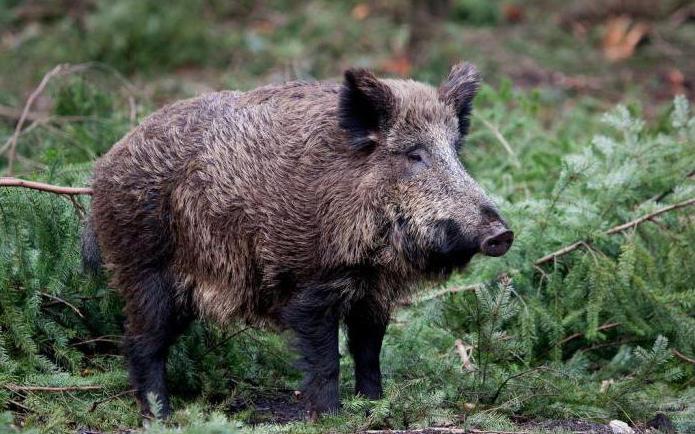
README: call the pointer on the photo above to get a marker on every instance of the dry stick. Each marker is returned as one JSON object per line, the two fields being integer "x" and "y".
{"x": 508, "y": 379}
{"x": 95, "y": 404}
{"x": 441, "y": 430}
{"x": 572, "y": 247}
{"x": 20, "y": 406}
{"x": 17, "y": 388}
{"x": 105, "y": 338}
{"x": 224, "y": 341}
{"x": 682, "y": 356}
{"x": 25, "y": 112}
{"x": 452, "y": 290}
{"x": 6, "y": 181}
{"x": 64, "y": 68}
{"x": 498, "y": 135}
{"x": 13, "y": 113}
{"x": 65, "y": 302}
{"x": 418, "y": 431}
{"x": 614, "y": 230}
{"x": 603, "y": 327}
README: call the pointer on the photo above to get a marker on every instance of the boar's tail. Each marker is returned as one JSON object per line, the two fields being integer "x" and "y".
{"x": 91, "y": 254}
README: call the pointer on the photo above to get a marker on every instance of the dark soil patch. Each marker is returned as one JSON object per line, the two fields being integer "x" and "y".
{"x": 282, "y": 408}
{"x": 575, "y": 426}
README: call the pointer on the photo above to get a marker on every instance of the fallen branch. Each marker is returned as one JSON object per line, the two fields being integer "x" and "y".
{"x": 7, "y": 181}
{"x": 17, "y": 388}
{"x": 451, "y": 290}
{"x": 107, "y": 338}
{"x": 517, "y": 375}
{"x": 465, "y": 353}
{"x": 682, "y": 356}
{"x": 600, "y": 328}
{"x": 95, "y": 404}
{"x": 26, "y": 114}
{"x": 65, "y": 302}
{"x": 498, "y": 135}
{"x": 20, "y": 406}
{"x": 12, "y": 142}
{"x": 13, "y": 113}
{"x": 441, "y": 430}
{"x": 418, "y": 431}
{"x": 614, "y": 230}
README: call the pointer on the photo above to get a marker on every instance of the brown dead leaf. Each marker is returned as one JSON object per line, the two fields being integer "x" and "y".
{"x": 676, "y": 80}
{"x": 264, "y": 27}
{"x": 675, "y": 77}
{"x": 513, "y": 14}
{"x": 621, "y": 38}
{"x": 360, "y": 11}
{"x": 465, "y": 352}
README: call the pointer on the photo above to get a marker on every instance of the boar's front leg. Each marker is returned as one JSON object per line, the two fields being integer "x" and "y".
{"x": 314, "y": 317}
{"x": 366, "y": 325}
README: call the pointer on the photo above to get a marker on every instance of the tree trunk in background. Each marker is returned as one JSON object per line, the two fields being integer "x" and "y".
{"x": 425, "y": 22}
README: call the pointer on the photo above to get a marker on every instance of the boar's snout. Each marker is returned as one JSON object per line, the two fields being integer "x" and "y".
{"x": 497, "y": 241}
{"x": 495, "y": 238}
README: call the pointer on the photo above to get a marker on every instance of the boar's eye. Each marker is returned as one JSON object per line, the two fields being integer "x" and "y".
{"x": 416, "y": 155}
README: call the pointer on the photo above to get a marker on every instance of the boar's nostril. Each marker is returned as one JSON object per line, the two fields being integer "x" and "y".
{"x": 498, "y": 243}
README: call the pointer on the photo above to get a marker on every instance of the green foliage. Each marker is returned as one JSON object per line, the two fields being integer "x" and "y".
{"x": 564, "y": 339}
{"x": 133, "y": 35}
{"x": 476, "y": 12}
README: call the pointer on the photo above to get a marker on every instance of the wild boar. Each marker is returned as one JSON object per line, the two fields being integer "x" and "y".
{"x": 299, "y": 205}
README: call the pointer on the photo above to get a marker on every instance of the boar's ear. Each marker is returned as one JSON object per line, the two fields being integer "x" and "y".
{"x": 458, "y": 90}
{"x": 366, "y": 107}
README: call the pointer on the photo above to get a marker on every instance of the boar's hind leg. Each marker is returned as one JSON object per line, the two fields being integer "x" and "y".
{"x": 153, "y": 323}
{"x": 314, "y": 317}
{"x": 366, "y": 325}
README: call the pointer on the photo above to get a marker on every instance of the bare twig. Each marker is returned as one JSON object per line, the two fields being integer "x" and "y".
{"x": 224, "y": 341}
{"x": 450, "y": 290}
{"x": 600, "y": 328}
{"x": 649, "y": 216}
{"x": 13, "y": 113}
{"x": 614, "y": 230}
{"x": 20, "y": 406}
{"x": 465, "y": 353}
{"x": 498, "y": 135}
{"x": 508, "y": 379}
{"x": 7, "y": 181}
{"x": 477, "y": 431}
{"x": 683, "y": 356}
{"x": 95, "y": 404}
{"x": 17, "y": 388}
{"x": 419, "y": 431}
{"x": 65, "y": 302}
{"x": 25, "y": 112}
{"x": 442, "y": 430}
{"x": 107, "y": 338}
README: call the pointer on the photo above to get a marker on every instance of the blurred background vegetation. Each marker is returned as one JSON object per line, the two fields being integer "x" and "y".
{"x": 605, "y": 332}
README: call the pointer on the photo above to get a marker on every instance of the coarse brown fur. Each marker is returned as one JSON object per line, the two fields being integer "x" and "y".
{"x": 245, "y": 205}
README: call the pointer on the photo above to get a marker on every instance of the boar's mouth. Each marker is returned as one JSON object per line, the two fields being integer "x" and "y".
{"x": 451, "y": 248}
{"x": 440, "y": 265}
{"x": 447, "y": 250}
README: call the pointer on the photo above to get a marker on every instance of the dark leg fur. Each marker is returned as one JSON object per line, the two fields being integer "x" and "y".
{"x": 154, "y": 321}
{"x": 366, "y": 326}
{"x": 314, "y": 316}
